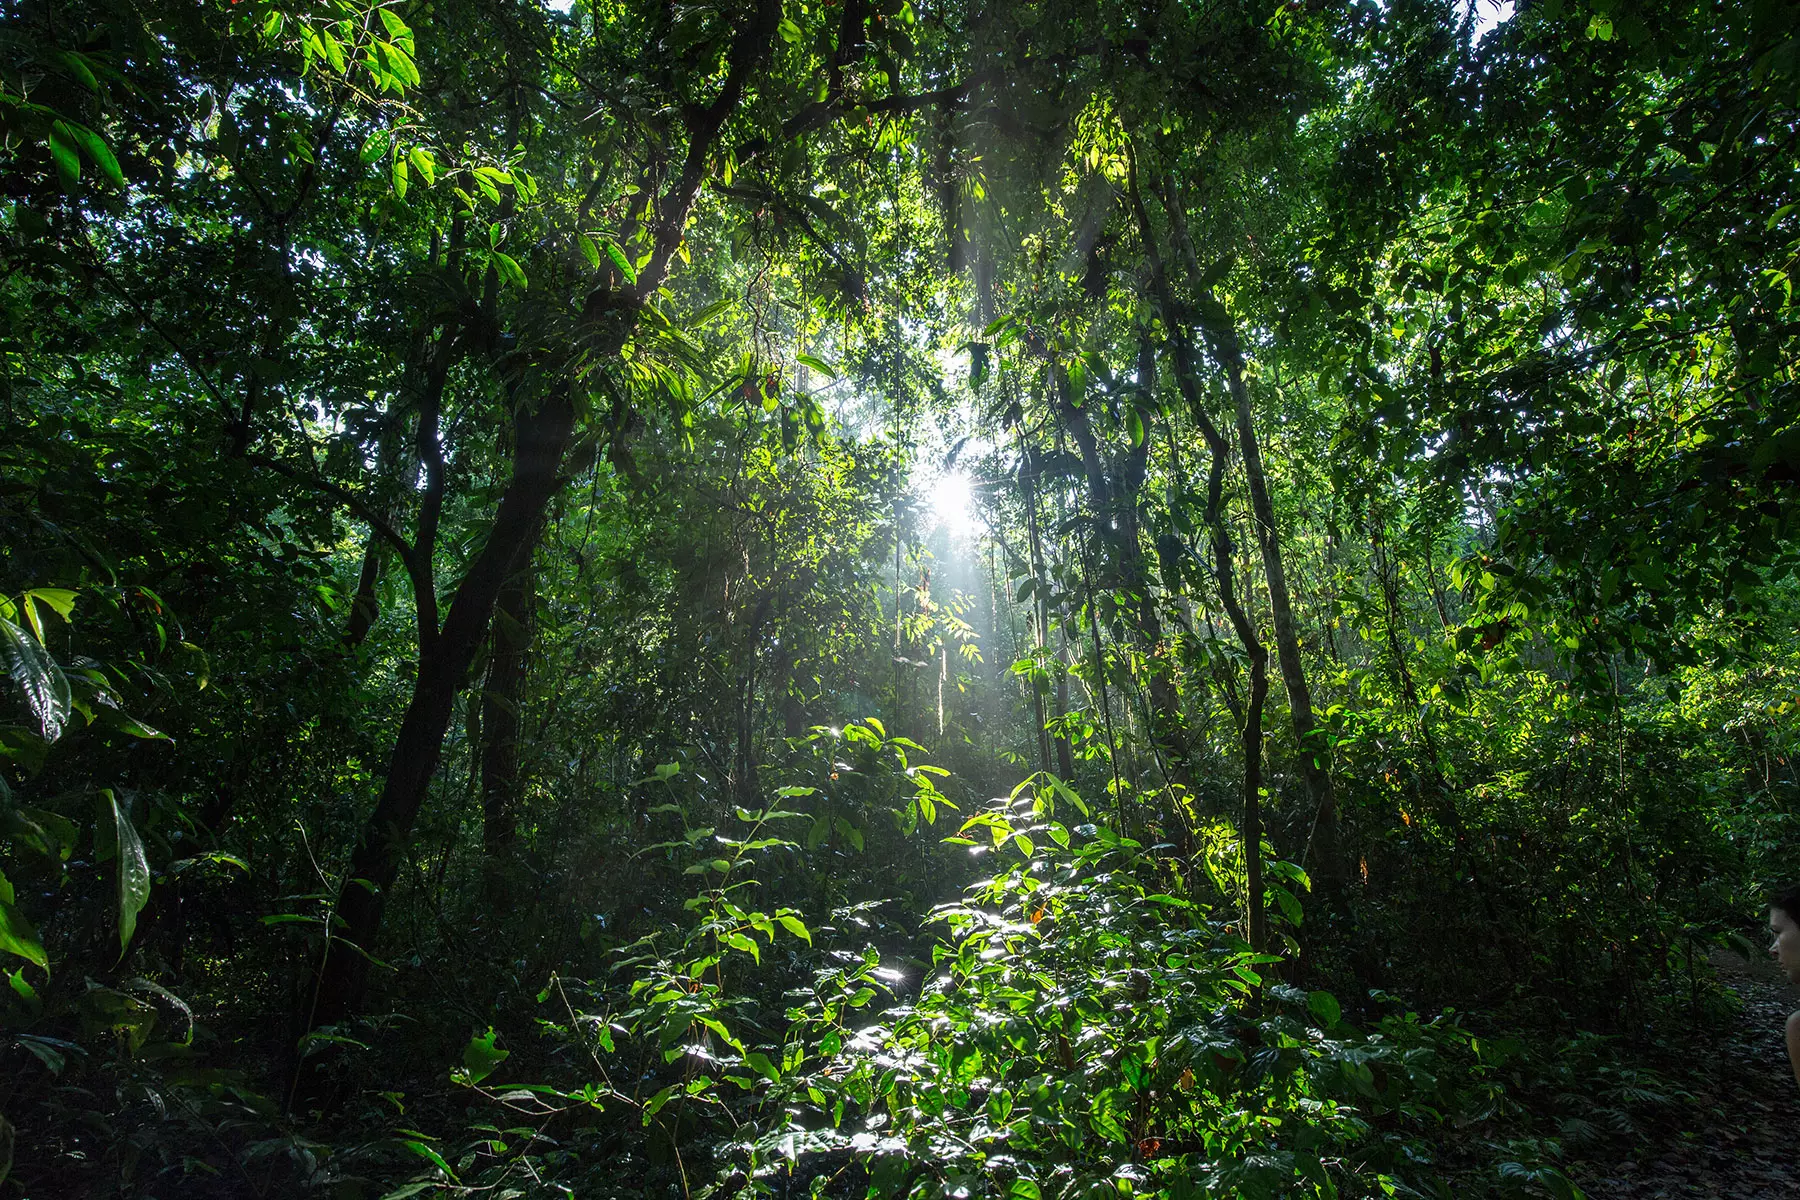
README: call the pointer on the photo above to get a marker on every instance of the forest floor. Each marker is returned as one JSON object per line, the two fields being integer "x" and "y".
{"x": 1731, "y": 1132}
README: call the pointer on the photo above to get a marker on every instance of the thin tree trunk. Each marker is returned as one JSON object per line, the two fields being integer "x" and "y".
{"x": 1114, "y": 503}
{"x": 365, "y": 609}
{"x": 1227, "y": 351}
{"x": 1251, "y": 735}
{"x": 1065, "y": 764}
{"x": 1322, "y": 849}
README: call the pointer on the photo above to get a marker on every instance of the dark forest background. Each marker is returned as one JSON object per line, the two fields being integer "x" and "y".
{"x": 885, "y": 597}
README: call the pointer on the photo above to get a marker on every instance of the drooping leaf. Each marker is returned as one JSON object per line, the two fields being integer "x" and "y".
{"x": 619, "y": 260}
{"x": 66, "y": 156}
{"x": 134, "y": 871}
{"x": 509, "y": 269}
{"x": 99, "y": 151}
{"x": 16, "y": 933}
{"x": 38, "y": 678}
{"x": 432, "y": 1156}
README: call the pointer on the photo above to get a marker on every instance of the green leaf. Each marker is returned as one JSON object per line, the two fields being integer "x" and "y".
{"x": 399, "y": 174}
{"x": 589, "y": 251}
{"x": 23, "y": 990}
{"x": 510, "y": 270}
{"x": 113, "y": 718}
{"x": 334, "y": 52}
{"x": 62, "y": 149}
{"x": 410, "y": 1190}
{"x": 78, "y": 67}
{"x": 134, "y": 871}
{"x": 619, "y": 260}
{"x": 16, "y": 933}
{"x": 52, "y": 1052}
{"x": 818, "y": 364}
{"x": 37, "y": 677}
{"x": 1325, "y": 1006}
{"x": 738, "y": 941}
{"x": 481, "y": 1055}
{"x": 795, "y": 926}
{"x": 423, "y": 161}
{"x": 99, "y": 151}
{"x": 396, "y": 28}
{"x": 376, "y": 145}
{"x": 430, "y": 1155}
{"x": 60, "y": 600}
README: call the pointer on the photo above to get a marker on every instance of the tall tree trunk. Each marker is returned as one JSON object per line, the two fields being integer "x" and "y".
{"x": 1040, "y": 574}
{"x": 1227, "y": 351}
{"x": 1314, "y": 754}
{"x": 501, "y": 698}
{"x": 1176, "y": 320}
{"x": 744, "y": 788}
{"x": 540, "y": 438}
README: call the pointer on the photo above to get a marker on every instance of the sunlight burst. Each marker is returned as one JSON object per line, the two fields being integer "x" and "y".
{"x": 952, "y": 499}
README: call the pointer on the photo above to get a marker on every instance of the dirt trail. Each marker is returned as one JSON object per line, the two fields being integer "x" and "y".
{"x": 1739, "y": 1139}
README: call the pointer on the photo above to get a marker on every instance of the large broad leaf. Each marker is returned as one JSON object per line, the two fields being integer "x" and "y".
{"x": 16, "y": 934}
{"x": 134, "y": 872}
{"x": 39, "y": 680}
{"x": 481, "y": 1055}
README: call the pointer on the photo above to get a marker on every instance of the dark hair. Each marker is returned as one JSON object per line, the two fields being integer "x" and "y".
{"x": 1788, "y": 901}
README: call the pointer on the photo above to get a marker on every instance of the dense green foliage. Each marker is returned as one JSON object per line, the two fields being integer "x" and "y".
{"x": 881, "y": 597}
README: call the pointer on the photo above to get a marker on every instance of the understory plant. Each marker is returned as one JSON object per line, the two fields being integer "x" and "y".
{"x": 1090, "y": 1022}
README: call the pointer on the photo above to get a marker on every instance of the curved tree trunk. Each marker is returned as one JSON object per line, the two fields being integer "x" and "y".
{"x": 1227, "y": 351}
{"x": 541, "y": 437}
{"x": 1322, "y": 848}
{"x": 1224, "y": 576}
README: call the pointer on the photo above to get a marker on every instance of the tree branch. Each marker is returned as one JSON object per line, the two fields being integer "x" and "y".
{"x": 343, "y": 495}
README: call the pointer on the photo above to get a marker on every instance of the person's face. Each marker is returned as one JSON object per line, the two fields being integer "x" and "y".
{"x": 1785, "y": 949}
